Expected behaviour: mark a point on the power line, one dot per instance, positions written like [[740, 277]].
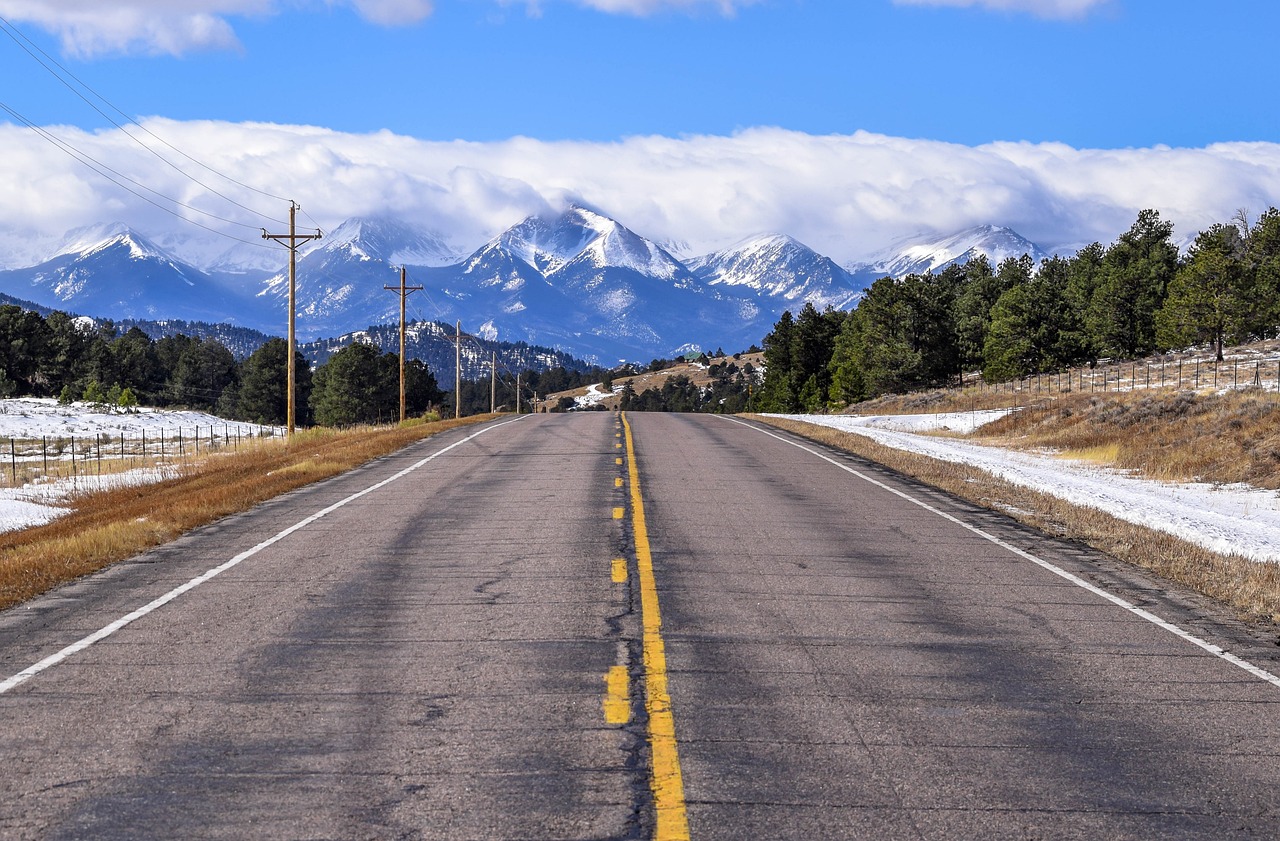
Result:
[[18, 38], [103, 170]]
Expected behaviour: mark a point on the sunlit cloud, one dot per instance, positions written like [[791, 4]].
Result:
[[849, 196]]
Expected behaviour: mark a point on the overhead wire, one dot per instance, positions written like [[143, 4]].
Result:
[[107, 172], [27, 46]]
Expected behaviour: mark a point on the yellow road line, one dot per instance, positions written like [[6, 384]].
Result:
[[619, 570], [618, 513], [667, 782], [617, 706]]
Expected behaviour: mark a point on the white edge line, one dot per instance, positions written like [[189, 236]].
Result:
[[1216, 651], [104, 632]]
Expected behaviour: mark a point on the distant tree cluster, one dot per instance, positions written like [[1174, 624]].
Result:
[[730, 391], [1123, 301], [74, 359]]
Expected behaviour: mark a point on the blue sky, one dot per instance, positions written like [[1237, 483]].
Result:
[[1123, 73], [850, 124]]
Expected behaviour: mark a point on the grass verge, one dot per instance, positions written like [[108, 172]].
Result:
[[109, 526], [1252, 589]]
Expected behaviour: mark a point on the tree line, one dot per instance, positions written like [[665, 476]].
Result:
[[1123, 301], [77, 359]]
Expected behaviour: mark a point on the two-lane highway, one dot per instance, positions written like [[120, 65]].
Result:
[[460, 641]]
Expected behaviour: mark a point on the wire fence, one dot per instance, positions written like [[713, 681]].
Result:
[[53, 457], [1253, 367]]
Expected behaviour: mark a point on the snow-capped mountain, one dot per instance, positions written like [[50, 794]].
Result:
[[933, 254], [576, 280], [580, 281], [341, 276], [778, 267], [114, 272]]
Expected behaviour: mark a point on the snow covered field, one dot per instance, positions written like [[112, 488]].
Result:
[[1225, 518], [32, 418]]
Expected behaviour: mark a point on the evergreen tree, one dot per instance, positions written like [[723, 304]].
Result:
[[63, 363], [778, 393], [1136, 272], [137, 364], [1084, 276], [1263, 264], [204, 369], [979, 291], [814, 339], [1033, 326], [356, 386], [23, 342], [1209, 298], [264, 385]]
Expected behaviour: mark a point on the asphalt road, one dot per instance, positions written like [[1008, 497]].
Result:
[[458, 648]]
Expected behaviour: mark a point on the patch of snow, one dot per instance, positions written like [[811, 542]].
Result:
[[1234, 519], [33, 418]]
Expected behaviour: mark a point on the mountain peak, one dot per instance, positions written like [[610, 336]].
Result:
[[382, 238], [922, 254], [90, 239], [780, 267]]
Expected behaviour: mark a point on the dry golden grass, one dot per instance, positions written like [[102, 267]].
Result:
[[1251, 588], [108, 526], [1179, 436]]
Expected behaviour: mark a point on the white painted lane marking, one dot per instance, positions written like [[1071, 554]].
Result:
[[103, 633], [1216, 651]]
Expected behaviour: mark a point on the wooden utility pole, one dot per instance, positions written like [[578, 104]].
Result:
[[404, 293], [457, 373], [493, 381], [293, 238]]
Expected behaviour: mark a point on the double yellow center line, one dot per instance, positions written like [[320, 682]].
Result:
[[667, 783]]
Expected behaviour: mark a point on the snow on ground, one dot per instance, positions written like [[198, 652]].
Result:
[[38, 503], [33, 418], [1235, 519], [593, 396]]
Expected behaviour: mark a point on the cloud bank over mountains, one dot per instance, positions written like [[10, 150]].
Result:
[[845, 195]]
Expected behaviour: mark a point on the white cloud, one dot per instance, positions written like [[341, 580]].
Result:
[[172, 27], [1040, 8], [846, 195]]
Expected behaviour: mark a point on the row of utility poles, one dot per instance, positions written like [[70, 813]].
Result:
[[292, 241]]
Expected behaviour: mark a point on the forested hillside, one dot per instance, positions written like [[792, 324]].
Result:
[[1122, 301]]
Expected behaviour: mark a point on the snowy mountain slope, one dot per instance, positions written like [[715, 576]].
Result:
[[341, 277], [114, 272], [933, 254], [779, 267], [577, 280]]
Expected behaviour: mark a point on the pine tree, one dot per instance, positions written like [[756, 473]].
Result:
[[1209, 297], [1136, 272], [778, 393]]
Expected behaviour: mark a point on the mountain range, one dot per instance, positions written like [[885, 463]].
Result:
[[578, 281]]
